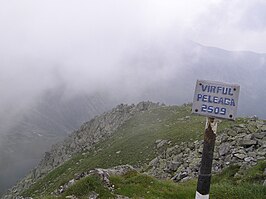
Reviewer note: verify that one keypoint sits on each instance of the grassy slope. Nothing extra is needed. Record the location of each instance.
(135, 141)
(247, 187)
(135, 185)
(224, 186)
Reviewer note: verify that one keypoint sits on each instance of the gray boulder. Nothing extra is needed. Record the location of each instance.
(224, 148)
(247, 143)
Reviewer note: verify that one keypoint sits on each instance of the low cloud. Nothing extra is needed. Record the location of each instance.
(94, 45)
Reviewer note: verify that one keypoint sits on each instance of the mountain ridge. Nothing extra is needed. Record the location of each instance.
(91, 133)
(163, 157)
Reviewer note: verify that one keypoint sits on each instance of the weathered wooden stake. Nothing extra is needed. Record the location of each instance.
(204, 179)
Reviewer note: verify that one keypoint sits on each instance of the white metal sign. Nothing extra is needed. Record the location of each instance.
(216, 99)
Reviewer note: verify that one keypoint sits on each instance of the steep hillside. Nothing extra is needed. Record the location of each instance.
(26, 135)
(162, 141)
(90, 133)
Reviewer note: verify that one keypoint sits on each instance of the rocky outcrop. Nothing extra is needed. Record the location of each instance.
(89, 134)
(242, 144)
(103, 174)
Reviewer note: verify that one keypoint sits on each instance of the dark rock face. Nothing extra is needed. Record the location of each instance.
(243, 144)
(247, 143)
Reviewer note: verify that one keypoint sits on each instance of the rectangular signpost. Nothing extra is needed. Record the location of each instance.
(214, 100)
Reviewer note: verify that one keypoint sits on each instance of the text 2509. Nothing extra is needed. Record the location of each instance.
(212, 109)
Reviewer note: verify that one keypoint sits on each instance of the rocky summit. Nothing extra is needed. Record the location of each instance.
(243, 144)
(150, 139)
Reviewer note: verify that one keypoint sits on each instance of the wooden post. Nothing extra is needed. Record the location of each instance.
(204, 179)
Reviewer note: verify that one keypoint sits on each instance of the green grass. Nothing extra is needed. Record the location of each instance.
(252, 175)
(135, 140)
(244, 191)
(227, 175)
(255, 174)
(249, 186)
(135, 185)
(86, 185)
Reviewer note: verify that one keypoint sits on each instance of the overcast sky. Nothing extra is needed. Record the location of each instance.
(48, 41)
(66, 24)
